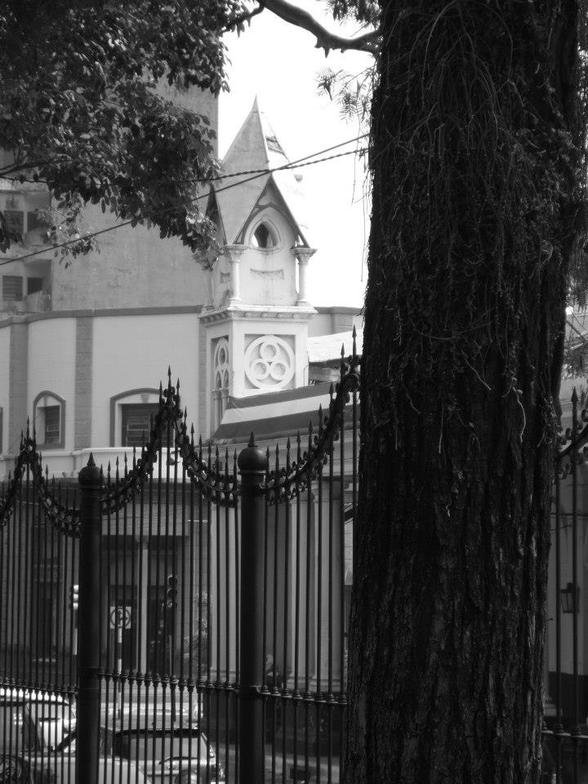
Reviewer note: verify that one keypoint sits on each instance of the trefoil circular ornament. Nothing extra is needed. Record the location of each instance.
(269, 362)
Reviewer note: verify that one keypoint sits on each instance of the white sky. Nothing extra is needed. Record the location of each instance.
(279, 63)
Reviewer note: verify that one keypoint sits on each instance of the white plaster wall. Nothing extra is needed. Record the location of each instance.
(221, 286)
(268, 277)
(51, 366)
(331, 320)
(321, 324)
(5, 386)
(134, 268)
(133, 352)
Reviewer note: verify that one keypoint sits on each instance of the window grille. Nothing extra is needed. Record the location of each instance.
(136, 423)
(11, 288)
(52, 429)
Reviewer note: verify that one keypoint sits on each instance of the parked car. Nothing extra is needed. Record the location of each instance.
(174, 755)
(149, 742)
(48, 715)
(45, 765)
(47, 721)
(161, 708)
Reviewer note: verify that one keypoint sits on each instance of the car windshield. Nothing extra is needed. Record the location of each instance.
(160, 745)
(51, 711)
(68, 744)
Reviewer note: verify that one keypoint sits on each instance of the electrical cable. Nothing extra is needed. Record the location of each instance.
(255, 174)
(198, 180)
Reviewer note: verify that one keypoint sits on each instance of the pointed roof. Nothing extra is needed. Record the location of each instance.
(256, 146)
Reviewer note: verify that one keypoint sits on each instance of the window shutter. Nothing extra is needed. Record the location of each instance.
(11, 288)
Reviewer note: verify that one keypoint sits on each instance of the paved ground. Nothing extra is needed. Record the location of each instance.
(278, 770)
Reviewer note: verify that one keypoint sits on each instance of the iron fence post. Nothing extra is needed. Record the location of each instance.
(88, 711)
(252, 464)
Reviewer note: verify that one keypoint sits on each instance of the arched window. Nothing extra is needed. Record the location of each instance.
(49, 420)
(131, 416)
(221, 380)
(263, 237)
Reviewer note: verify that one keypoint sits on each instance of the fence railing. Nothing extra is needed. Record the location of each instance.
(188, 609)
(191, 605)
(566, 649)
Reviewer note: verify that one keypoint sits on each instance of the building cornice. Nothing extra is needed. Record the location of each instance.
(345, 309)
(258, 313)
(27, 318)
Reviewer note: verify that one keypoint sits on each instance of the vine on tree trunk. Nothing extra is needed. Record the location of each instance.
(477, 157)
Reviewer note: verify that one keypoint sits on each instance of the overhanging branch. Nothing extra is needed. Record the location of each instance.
(325, 39)
(25, 165)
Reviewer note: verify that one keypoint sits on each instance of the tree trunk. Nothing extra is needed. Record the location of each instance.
(475, 161)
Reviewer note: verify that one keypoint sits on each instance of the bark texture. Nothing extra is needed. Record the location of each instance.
(475, 161)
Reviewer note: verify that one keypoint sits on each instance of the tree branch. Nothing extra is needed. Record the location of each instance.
(15, 167)
(325, 39)
(24, 166)
(246, 17)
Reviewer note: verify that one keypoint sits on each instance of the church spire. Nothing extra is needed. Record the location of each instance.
(256, 148)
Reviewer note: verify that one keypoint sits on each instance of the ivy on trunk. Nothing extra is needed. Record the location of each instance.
(476, 157)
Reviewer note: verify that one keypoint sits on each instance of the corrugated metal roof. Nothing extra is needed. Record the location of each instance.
(273, 414)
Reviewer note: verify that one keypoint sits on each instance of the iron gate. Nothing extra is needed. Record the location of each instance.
(566, 649)
(179, 623)
(207, 594)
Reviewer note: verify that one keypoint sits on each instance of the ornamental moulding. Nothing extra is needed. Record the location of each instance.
(261, 312)
(272, 274)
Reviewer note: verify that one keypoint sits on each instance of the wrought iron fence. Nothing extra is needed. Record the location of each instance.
(566, 650)
(165, 620)
(184, 615)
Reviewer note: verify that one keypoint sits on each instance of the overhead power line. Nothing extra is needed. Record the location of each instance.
(198, 180)
(255, 174)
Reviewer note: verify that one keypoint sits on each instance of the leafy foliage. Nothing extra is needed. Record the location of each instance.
(81, 110)
(364, 10)
(66, 230)
(352, 93)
